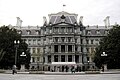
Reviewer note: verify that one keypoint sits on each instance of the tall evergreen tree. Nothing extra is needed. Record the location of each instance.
(111, 46)
(7, 48)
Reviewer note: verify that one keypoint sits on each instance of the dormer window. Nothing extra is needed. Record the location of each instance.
(106, 31)
(37, 32)
(88, 32)
(20, 32)
(98, 32)
(50, 23)
(28, 32)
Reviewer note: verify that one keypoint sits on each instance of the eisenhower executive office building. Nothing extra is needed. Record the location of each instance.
(62, 42)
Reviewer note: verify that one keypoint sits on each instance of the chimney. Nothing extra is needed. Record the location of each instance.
(44, 21)
(19, 22)
(107, 21)
(81, 20)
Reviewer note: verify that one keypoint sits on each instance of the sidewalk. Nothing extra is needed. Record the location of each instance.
(65, 73)
(110, 72)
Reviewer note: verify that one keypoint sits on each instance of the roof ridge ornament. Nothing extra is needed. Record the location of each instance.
(63, 17)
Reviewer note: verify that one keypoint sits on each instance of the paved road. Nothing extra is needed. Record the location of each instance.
(60, 77)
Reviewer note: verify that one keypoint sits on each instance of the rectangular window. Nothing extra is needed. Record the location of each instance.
(38, 59)
(76, 48)
(56, 58)
(62, 29)
(38, 50)
(77, 58)
(91, 41)
(62, 58)
(69, 39)
(62, 48)
(63, 39)
(56, 48)
(34, 42)
(75, 40)
(87, 49)
(69, 58)
(92, 50)
(33, 59)
(56, 39)
(87, 41)
(81, 49)
(69, 48)
(38, 41)
(49, 58)
(70, 29)
(29, 42)
(56, 29)
(34, 50)
(81, 41)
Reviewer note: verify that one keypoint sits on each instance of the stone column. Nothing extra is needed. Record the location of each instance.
(80, 58)
(84, 55)
(66, 48)
(59, 58)
(52, 48)
(60, 48)
(73, 58)
(72, 48)
(46, 59)
(36, 50)
(52, 58)
(66, 58)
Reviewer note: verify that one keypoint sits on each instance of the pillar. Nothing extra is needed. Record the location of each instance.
(52, 58)
(80, 59)
(66, 48)
(46, 59)
(59, 58)
(73, 58)
(66, 58)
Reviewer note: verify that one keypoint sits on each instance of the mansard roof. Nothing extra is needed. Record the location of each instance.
(63, 17)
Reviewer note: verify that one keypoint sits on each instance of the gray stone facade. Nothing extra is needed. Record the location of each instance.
(62, 42)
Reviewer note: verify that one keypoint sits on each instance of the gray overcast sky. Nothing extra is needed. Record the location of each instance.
(32, 11)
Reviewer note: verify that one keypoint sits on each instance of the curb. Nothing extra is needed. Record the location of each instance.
(64, 73)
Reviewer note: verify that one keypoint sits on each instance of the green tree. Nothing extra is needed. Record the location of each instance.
(1, 54)
(7, 48)
(111, 46)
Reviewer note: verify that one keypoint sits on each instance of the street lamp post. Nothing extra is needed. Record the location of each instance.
(16, 47)
(88, 64)
(23, 66)
(104, 67)
(43, 58)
